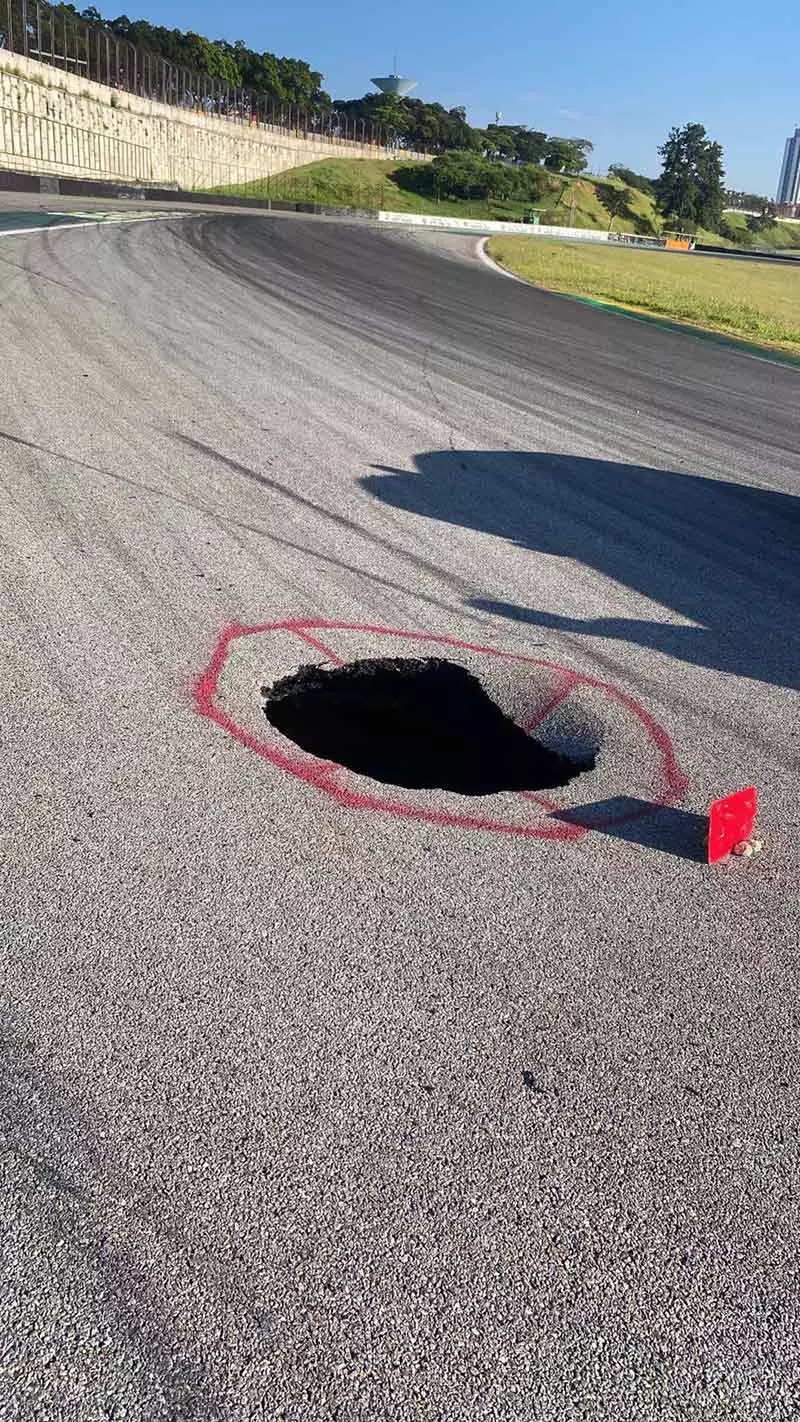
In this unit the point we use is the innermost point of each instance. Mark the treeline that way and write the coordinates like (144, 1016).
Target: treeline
(430, 127)
(284, 81)
(407, 123)
(751, 202)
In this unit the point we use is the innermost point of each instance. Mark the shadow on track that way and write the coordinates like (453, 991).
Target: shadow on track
(723, 555)
(668, 828)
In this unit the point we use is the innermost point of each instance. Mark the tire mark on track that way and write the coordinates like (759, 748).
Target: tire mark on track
(458, 584)
(219, 516)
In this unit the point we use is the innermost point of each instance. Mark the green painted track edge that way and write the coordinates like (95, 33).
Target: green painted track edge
(717, 338)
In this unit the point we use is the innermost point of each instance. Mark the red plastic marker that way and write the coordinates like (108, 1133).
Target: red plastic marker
(731, 822)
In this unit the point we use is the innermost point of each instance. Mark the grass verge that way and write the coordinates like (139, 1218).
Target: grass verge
(754, 301)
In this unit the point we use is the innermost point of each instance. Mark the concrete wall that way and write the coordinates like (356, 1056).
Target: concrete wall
(54, 122)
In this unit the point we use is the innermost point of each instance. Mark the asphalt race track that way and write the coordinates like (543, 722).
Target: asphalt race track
(328, 1099)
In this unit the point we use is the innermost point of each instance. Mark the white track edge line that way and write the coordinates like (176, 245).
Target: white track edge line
(97, 222)
(483, 255)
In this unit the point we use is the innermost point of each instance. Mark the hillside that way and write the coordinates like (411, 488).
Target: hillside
(378, 183)
(783, 234)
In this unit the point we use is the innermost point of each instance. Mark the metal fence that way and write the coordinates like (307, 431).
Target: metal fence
(61, 39)
(671, 241)
(33, 142)
(42, 143)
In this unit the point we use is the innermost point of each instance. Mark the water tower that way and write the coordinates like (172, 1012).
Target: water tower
(394, 85)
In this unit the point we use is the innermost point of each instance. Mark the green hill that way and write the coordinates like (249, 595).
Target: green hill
(783, 234)
(377, 183)
(374, 183)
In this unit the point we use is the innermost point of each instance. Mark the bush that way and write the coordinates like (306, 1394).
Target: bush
(763, 222)
(463, 174)
(532, 183)
(415, 178)
(469, 176)
(734, 232)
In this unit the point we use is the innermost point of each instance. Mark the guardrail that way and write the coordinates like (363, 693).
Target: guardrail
(487, 228)
(666, 241)
(669, 241)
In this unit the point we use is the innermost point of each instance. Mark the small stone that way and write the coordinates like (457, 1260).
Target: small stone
(743, 849)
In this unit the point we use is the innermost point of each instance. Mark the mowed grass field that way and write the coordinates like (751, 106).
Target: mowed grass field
(756, 301)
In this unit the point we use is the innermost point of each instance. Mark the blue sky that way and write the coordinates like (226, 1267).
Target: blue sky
(620, 74)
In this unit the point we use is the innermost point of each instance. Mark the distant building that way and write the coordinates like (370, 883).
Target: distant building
(789, 181)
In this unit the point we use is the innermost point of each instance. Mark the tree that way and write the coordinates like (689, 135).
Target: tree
(632, 179)
(500, 141)
(748, 201)
(203, 57)
(616, 201)
(500, 182)
(767, 218)
(259, 72)
(392, 116)
(531, 145)
(516, 142)
(466, 174)
(690, 187)
(567, 155)
(424, 126)
(531, 182)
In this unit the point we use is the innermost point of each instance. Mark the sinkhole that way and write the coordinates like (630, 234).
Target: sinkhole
(425, 724)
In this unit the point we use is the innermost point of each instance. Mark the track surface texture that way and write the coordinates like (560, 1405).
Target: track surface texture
(318, 1111)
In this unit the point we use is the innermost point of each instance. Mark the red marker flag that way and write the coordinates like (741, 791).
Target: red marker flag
(731, 822)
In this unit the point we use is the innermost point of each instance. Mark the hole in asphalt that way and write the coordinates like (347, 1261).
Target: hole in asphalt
(423, 724)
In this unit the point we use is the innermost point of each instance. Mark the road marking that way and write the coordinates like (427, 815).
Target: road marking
(738, 344)
(536, 816)
(100, 220)
(116, 216)
(481, 252)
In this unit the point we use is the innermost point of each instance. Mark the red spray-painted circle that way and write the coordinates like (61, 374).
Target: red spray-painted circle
(323, 775)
